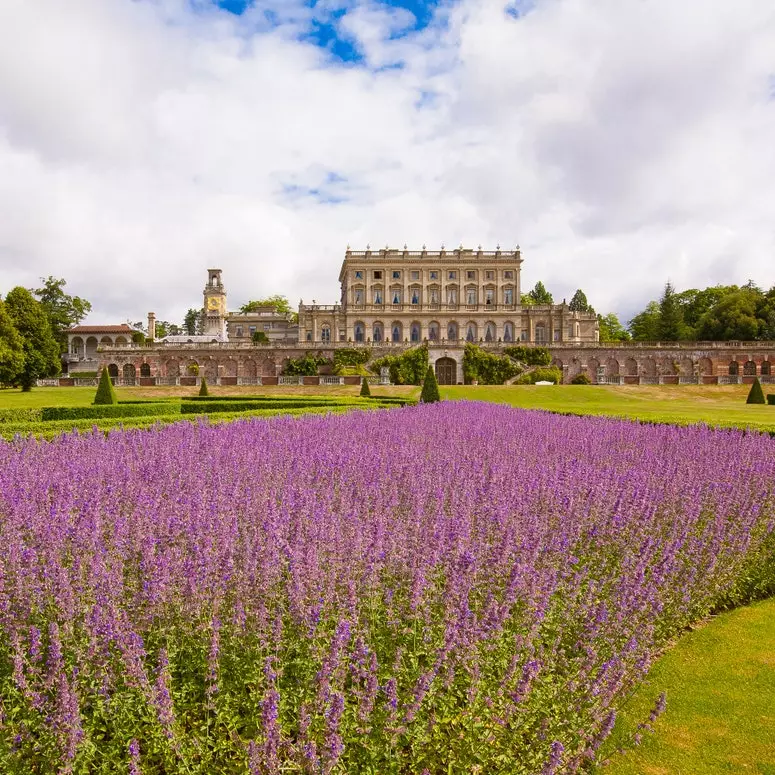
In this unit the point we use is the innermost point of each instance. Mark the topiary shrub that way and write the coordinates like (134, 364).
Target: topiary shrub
(581, 379)
(771, 398)
(550, 374)
(365, 391)
(203, 391)
(755, 394)
(106, 393)
(430, 388)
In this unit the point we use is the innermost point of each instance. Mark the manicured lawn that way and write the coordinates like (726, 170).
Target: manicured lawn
(720, 716)
(711, 404)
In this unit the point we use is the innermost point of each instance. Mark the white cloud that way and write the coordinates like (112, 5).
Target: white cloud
(621, 142)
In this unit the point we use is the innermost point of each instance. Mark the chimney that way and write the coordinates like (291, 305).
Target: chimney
(151, 326)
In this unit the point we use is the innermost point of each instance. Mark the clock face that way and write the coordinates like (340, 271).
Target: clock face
(213, 304)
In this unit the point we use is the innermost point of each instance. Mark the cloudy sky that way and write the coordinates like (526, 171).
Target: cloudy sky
(621, 143)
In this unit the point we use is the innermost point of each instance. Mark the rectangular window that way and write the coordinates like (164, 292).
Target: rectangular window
(489, 296)
(433, 275)
(252, 330)
(396, 274)
(508, 275)
(415, 296)
(239, 330)
(359, 274)
(414, 275)
(452, 276)
(471, 274)
(378, 274)
(452, 296)
(396, 297)
(342, 335)
(489, 274)
(434, 296)
(508, 296)
(267, 326)
(471, 296)
(378, 297)
(358, 297)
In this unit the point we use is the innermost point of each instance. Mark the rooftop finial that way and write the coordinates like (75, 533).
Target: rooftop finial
(498, 246)
(368, 246)
(479, 247)
(442, 246)
(423, 246)
(404, 246)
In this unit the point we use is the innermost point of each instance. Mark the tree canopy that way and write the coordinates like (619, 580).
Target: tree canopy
(611, 330)
(539, 295)
(192, 322)
(11, 349)
(280, 303)
(63, 311)
(579, 302)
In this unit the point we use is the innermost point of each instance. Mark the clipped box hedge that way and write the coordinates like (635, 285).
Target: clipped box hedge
(20, 415)
(771, 398)
(108, 410)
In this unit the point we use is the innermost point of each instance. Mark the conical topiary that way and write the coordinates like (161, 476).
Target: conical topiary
(365, 391)
(430, 388)
(755, 394)
(203, 391)
(106, 393)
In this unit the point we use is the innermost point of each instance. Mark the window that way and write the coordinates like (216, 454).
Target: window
(489, 332)
(396, 297)
(452, 276)
(433, 332)
(508, 332)
(239, 331)
(377, 296)
(415, 332)
(396, 274)
(358, 296)
(267, 326)
(415, 297)
(309, 336)
(471, 332)
(325, 334)
(378, 334)
(451, 295)
(471, 274)
(452, 331)
(396, 332)
(359, 274)
(414, 275)
(252, 330)
(489, 296)
(471, 296)
(359, 332)
(378, 274)
(508, 275)
(433, 275)
(489, 274)
(508, 295)
(434, 296)
(342, 335)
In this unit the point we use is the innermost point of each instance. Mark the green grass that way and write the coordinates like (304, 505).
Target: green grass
(720, 716)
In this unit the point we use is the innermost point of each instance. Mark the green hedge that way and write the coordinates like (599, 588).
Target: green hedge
(530, 356)
(263, 398)
(551, 374)
(487, 368)
(351, 361)
(246, 406)
(771, 398)
(82, 375)
(26, 414)
(408, 368)
(107, 410)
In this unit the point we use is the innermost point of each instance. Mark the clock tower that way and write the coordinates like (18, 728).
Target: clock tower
(215, 305)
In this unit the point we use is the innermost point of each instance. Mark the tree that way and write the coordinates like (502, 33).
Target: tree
(734, 317)
(644, 327)
(63, 311)
(11, 349)
(695, 303)
(106, 393)
(611, 330)
(540, 295)
(165, 328)
(259, 337)
(203, 391)
(41, 349)
(192, 322)
(280, 303)
(430, 388)
(579, 302)
(756, 394)
(671, 322)
(365, 391)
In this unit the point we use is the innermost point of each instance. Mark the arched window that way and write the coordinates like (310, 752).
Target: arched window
(766, 369)
(145, 370)
(749, 369)
(128, 372)
(433, 331)
(378, 332)
(309, 336)
(489, 332)
(452, 331)
(471, 332)
(395, 333)
(508, 332)
(415, 332)
(113, 370)
(359, 330)
(325, 334)
(734, 368)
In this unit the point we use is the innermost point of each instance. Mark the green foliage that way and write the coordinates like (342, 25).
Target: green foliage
(165, 328)
(98, 411)
(63, 311)
(755, 394)
(671, 320)
(306, 366)
(106, 393)
(611, 330)
(365, 390)
(21, 414)
(487, 368)
(280, 303)
(11, 349)
(138, 337)
(408, 368)
(83, 374)
(192, 322)
(259, 337)
(203, 391)
(430, 388)
(351, 360)
(581, 379)
(41, 349)
(771, 399)
(734, 317)
(549, 374)
(579, 302)
(529, 356)
(644, 327)
(192, 369)
(539, 295)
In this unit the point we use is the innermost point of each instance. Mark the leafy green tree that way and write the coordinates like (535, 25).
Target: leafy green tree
(11, 349)
(734, 317)
(695, 303)
(579, 302)
(756, 394)
(41, 349)
(259, 337)
(611, 330)
(63, 311)
(540, 295)
(280, 303)
(765, 313)
(165, 328)
(644, 327)
(106, 393)
(671, 321)
(192, 322)
(430, 388)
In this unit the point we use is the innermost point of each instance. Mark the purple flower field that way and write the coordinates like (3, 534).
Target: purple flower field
(456, 587)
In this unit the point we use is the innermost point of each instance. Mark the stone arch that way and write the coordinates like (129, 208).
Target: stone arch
(649, 367)
(113, 371)
(734, 368)
(557, 363)
(77, 346)
(249, 369)
(129, 373)
(268, 368)
(686, 367)
(172, 368)
(630, 367)
(145, 369)
(749, 368)
(766, 369)
(446, 371)
(593, 364)
(230, 368)
(106, 341)
(210, 368)
(121, 340)
(612, 367)
(705, 366)
(192, 368)
(574, 368)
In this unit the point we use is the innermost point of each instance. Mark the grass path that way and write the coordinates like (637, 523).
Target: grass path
(720, 716)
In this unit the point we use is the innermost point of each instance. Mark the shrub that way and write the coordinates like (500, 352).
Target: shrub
(755, 394)
(771, 398)
(530, 356)
(408, 368)
(259, 337)
(365, 387)
(487, 368)
(48, 413)
(106, 393)
(203, 391)
(430, 388)
(192, 370)
(82, 374)
(306, 366)
(581, 379)
(551, 374)
(350, 360)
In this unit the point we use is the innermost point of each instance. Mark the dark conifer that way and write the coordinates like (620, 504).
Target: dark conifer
(430, 388)
(106, 393)
(755, 394)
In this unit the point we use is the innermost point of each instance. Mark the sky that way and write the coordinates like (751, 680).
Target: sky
(620, 143)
